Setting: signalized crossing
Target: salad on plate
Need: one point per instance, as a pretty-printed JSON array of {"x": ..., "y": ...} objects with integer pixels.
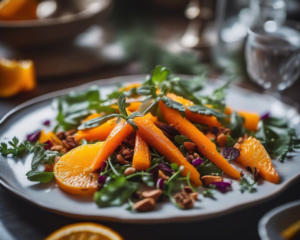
[{"x": 160, "y": 140}]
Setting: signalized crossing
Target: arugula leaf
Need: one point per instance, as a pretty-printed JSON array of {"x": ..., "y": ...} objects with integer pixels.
[
  {"x": 208, "y": 168},
  {"x": 174, "y": 105},
  {"x": 180, "y": 139},
  {"x": 115, "y": 192},
  {"x": 49, "y": 156},
  {"x": 159, "y": 74},
  {"x": 95, "y": 122},
  {"x": 37, "y": 156},
  {"x": 42, "y": 177},
  {"x": 147, "y": 90},
  {"x": 220, "y": 93},
  {"x": 207, "y": 111},
  {"x": 236, "y": 125},
  {"x": 121, "y": 104},
  {"x": 246, "y": 186}
]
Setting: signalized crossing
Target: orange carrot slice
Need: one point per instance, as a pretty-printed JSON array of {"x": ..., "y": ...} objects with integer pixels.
[
  {"x": 205, "y": 146},
  {"x": 211, "y": 121},
  {"x": 141, "y": 158},
  {"x": 99, "y": 133},
  {"x": 253, "y": 154},
  {"x": 155, "y": 138},
  {"x": 114, "y": 139}
]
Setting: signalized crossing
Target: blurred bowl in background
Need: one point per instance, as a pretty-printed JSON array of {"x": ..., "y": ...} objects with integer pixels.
[{"x": 59, "y": 21}]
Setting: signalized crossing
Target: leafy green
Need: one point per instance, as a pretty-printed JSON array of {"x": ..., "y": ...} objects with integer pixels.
[
  {"x": 115, "y": 192},
  {"x": 18, "y": 149},
  {"x": 208, "y": 168},
  {"x": 174, "y": 105},
  {"x": 207, "y": 111},
  {"x": 230, "y": 141},
  {"x": 246, "y": 186},
  {"x": 236, "y": 125},
  {"x": 180, "y": 139},
  {"x": 277, "y": 137},
  {"x": 37, "y": 156},
  {"x": 42, "y": 177},
  {"x": 159, "y": 74}
]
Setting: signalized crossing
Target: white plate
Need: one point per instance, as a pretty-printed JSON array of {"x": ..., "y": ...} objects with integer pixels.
[
  {"x": 274, "y": 222},
  {"x": 29, "y": 116}
]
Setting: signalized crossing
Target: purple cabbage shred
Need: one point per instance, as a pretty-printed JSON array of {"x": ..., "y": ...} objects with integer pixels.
[
  {"x": 265, "y": 116},
  {"x": 160, "y": 184},
  {"x": 103, "y": 166},
  {"x": 222, "y": 186},
  {"x": 33, "y": 137},
  {"x": 197, "y": 162},
  {"x": 46, "y": 123},
  {"x": 101, "y": 181},
  {"x": 231, "y": 153},
  {"x": 48, "y": 145},
  {"x": 163, "y": 167}
]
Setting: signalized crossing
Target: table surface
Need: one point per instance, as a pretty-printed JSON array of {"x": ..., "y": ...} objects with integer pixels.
[{"x": 21, "y": 220}]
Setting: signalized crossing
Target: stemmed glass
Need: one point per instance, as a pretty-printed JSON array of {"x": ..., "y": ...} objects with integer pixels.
[{"x": 273, "y": 55}]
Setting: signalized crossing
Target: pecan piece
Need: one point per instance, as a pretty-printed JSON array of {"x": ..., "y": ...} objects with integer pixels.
[
  {"x": 152, "y": 194},
  {"x": 144, "y": 205},
  {"x": 61, "y": 135},
  {"x": 57, "y": 148},
  {"x": 70, "y": 132},
  {"x": 71, "y": 140},
  {"x": 121, "y": 160},
  {"x": 184, "y": 200}
]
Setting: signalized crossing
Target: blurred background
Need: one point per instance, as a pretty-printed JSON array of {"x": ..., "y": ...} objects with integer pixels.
[{"x": 71, "y": 42}]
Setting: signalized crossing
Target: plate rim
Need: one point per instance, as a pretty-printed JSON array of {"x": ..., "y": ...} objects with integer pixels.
[{"x": 111, "y": 82}]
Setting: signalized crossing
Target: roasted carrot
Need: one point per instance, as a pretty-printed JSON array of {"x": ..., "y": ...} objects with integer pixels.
[
  {"x": 155, "y": 138},
  {"x": 93, "y": 115},
  {"x": 98, "y": 133},
  {"x": 141, "y": 158},
  {"x": 134, "y": 106},
  {"x": 114, "y": 139},
  {"x": 195, "y": 117},
  {"x": 205, "y": 146}
]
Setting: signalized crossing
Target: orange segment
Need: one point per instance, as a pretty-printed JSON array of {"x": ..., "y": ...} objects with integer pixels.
[
  {"x": 73, "y": 171},
  {"x": 253, "y": 154},
  {"x": 16, "y": 76},
  {"x": 251, "y": 120},
  {"x": 84, "y": 231},
  {"x": 11, "y": 10},
  {"x": 44, "y": 137}
]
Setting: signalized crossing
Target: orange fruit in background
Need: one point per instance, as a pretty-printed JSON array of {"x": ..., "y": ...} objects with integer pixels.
[
  {"x": 17, "y": 10},
  {"x": 16, "y": 76},
  {"x": 253, "y": 154},
  {"x": 84, "y": 231},
  {"x": 73, "y": 172}
]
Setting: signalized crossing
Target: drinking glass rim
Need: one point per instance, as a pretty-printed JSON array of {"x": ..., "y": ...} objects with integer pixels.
[{"x": 289, "y": 23}]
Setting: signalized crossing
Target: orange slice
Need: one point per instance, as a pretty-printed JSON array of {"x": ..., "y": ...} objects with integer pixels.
[
  {"x": 16, "y": 76},
  {"x": 84, "y": 231},
  {"x": 253, "y": 154},
  {"x": 73, "y": 171}
]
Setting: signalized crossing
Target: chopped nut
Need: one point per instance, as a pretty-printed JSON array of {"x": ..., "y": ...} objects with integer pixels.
[
  {"x": 208, "y": 179},
  {"x": 70, "y": 132},
  {"x": 129, "y": 171},
  {"x": 187, "y": 189},
  {"x": 191, "y": 152},
  {"x": 48, "y": 167},
  {"x": 245, "y": 137},
  {"x": 222, "y": 139},
  {"x": 61, "y": 135},
  {"x": 240, "y": 140},
  {"x": 131, "y": 142},
  {"x": 57, "y": 148},
  {"x": 162, "y": 175},
  {"x": 65, "y": 144},
  {"x": 144, "y": 205},
  {"x": 122, "y": 147},
  {"x": 56, "y": 159},
  {"x": 152, "y": 194},
  {"x": 242, "y": 173},
  {"x": 190, "y": 158},
  {"x": 64, "y": 150},
  {"x": 125, "y": 151},
  {"x": 211, "y": 136},
  {"x": 184, "y": 200},
  {"x": 194, "y": 195},
  {"x": 237, "y": 146},
  {"x": 121, "y": 160},
  {"x": 189, "y": 146},
  {"x": 196, "y": 155},
  {"x": 226, "y": 131},
  {"x": 128, "y": 156},
  {"x": 71, "y": 140}
]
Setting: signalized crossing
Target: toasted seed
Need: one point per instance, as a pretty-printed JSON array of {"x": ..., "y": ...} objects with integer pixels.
[
  {"x": 129, "y": 171},
  {"x": 57, "y": 148},
  {"x": 190, "y": 158},
  {"x": 237, "y": 146},
  {"x": 194, "y": 195},
  {"x": 128, "y": 156},
  {"x": 208, "y": 179},
  {"x": 121, "y": 160},
  {"x": 122, "y": 147},
  {"x": 196, "y": 155},
  {"x": 189, "y": 146},
  {"x": 222, "y": 139},
  {"x": 144, "y": 205},
  {"x": 125, "y": 151},
  {"x": 162, "y": 175},
  {"x": 152, "y": 194}
]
